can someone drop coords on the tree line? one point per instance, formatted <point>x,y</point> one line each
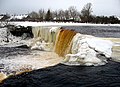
<point>70,15</point>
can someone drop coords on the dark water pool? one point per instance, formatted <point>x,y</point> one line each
<point>6,52</point>
<point>69,76</point>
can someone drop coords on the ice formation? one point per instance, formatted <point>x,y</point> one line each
<point>76,48</point>
<point>9,40</point>
<point>44,37</point>
<point>6,37</point>
<point>85,50</point>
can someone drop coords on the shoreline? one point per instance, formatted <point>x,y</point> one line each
<point>27,23</point>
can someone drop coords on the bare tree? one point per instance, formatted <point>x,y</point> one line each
<point>86,12</point>
<point>61,14</point>
<point>73,12</point>
<point>41,14</point>
<point>55,15</point>
<point>67,15</point>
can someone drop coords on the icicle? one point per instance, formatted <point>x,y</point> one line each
<point>44,36</point>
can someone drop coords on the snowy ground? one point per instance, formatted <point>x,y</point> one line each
<point>59,24</point>
<point>13,40</point>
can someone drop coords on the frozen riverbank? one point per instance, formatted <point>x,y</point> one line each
<point>115,48</point>
<point>59,24</point>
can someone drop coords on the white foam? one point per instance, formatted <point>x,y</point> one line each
<point>35,60</point>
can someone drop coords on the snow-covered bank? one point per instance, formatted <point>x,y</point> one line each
<point>8,40</point>
<point>59,24</point>
<point>115,49</point>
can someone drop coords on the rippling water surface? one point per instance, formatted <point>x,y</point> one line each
<point>8,55</point>
<point>69,76</point>
<point>98,31</point>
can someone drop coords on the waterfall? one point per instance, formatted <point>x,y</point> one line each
<point>76,48</point>
<point>44,37</point>
<point>63,41</point>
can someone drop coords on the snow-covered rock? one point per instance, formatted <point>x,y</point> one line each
<point>8,40</point>
<point>38,45</point>
<point>102,46</point>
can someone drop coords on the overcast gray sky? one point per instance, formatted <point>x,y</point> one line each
<point>100,7</point>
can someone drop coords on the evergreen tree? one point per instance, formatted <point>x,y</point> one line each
<point>48,16</point>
